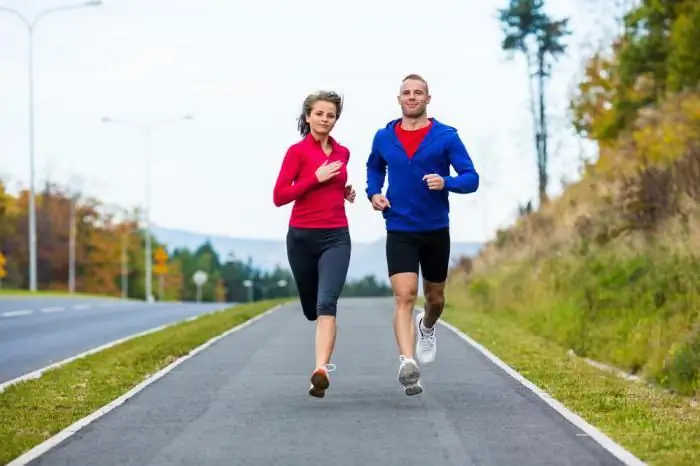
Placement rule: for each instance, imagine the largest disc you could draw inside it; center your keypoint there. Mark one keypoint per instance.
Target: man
(417, 151)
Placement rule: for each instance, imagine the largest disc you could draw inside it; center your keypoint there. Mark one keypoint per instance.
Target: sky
(242, 70)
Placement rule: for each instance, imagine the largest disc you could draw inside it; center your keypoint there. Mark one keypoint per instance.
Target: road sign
(161, 256)
(161, 266)
(199, 278)
(3, 272)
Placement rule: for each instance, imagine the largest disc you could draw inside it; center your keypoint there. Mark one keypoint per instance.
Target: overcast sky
(242, 70)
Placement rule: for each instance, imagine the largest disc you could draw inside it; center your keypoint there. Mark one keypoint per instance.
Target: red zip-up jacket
(316, 205)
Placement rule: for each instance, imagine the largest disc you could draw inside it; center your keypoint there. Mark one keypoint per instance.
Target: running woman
(313, 176)
(417, 151)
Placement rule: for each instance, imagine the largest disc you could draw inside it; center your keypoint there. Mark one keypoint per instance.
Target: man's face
(413, 98)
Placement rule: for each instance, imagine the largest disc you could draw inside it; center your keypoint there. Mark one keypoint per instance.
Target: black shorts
(406, 251)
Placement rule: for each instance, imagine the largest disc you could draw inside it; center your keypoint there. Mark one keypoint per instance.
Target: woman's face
(322, 117)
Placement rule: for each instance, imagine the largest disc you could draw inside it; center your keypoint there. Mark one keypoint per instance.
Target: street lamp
(74, 192)
(147, 130)
(30, 70)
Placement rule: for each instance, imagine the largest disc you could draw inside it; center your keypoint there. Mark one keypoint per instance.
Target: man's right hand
(379, 202)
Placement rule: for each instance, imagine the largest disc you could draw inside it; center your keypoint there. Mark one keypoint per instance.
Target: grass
(657, 427)
(35, 410)
(635, 310)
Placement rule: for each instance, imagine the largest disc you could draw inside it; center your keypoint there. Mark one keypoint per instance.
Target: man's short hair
(417, 77)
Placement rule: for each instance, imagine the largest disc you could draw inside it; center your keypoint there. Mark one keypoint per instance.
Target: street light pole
(147, 130)
(30, 71)
(71, 247)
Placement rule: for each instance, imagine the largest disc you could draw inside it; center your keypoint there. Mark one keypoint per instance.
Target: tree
(655, 54)
(530, 31)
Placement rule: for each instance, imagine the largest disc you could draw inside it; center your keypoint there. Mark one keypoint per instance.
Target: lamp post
(30, 71)
(147, 130)
(74, 192)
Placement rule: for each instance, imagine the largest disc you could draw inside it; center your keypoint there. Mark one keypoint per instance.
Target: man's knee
(434, 294)
(405, 286)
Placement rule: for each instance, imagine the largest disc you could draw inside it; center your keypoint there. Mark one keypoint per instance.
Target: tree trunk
(542, 160)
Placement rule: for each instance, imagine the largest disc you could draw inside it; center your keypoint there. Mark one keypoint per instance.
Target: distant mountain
(366, 259)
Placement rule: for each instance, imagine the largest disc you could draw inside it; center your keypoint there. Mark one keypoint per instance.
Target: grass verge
(657, 427)
(35, 410)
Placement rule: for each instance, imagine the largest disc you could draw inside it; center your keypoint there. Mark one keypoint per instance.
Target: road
(243, 401)
(37, 332)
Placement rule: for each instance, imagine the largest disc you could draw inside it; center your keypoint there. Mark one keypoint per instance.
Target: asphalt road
(244, 401)
(37, 332)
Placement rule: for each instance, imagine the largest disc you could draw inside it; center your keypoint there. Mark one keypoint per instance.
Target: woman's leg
(304, 265)
(332, 271)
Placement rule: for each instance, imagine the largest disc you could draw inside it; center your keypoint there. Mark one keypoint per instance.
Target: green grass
(657, 427)
(636, 311)
(32, 411)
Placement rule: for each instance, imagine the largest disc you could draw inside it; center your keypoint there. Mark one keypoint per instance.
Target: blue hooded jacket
(414, 207)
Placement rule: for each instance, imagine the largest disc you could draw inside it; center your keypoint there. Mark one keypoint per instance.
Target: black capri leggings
(319, 259)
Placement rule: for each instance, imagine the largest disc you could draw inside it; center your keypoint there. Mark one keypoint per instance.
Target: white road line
(23, 312)
(52, 309)
(39, 372)
(606, 442)
(82, 306)
(75, 427)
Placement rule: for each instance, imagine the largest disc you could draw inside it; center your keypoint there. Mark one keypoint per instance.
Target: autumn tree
(539, 38)
(110, 253)
(655, 55)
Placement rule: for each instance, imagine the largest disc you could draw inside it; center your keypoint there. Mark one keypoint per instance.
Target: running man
(313, 176)
(417, 151)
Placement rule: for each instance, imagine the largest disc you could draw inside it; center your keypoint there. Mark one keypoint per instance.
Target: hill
(610, 268)
(367, 258)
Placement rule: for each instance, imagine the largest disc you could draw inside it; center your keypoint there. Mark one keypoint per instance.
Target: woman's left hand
(349, 193)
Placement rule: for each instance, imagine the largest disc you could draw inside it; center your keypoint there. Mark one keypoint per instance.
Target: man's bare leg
(434, 293)
(434, 302)
(405, 286)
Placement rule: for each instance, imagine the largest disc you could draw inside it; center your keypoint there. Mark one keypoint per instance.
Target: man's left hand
(435, 182)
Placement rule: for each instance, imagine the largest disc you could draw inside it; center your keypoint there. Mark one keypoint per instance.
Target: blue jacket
(414, 207)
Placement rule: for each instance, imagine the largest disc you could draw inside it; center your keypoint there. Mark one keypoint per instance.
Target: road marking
(39, 372)
(23, 312)
(606, 442)
(52, 309)
(75, 427)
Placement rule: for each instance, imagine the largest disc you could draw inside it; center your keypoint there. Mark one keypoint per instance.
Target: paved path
(243, 401)
(36, 332)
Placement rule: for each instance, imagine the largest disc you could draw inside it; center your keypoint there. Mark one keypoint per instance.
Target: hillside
(366, 259)
(610, 268)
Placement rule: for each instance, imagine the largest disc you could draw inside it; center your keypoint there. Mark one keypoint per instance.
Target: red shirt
(316, 205)
(411, 139)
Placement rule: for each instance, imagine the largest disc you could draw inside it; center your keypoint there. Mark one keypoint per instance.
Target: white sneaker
(426, 346)
(409, 376)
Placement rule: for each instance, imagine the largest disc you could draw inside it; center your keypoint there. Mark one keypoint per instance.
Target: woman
(313, 176)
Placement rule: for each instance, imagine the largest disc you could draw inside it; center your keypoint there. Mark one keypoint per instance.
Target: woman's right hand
(328, 170)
